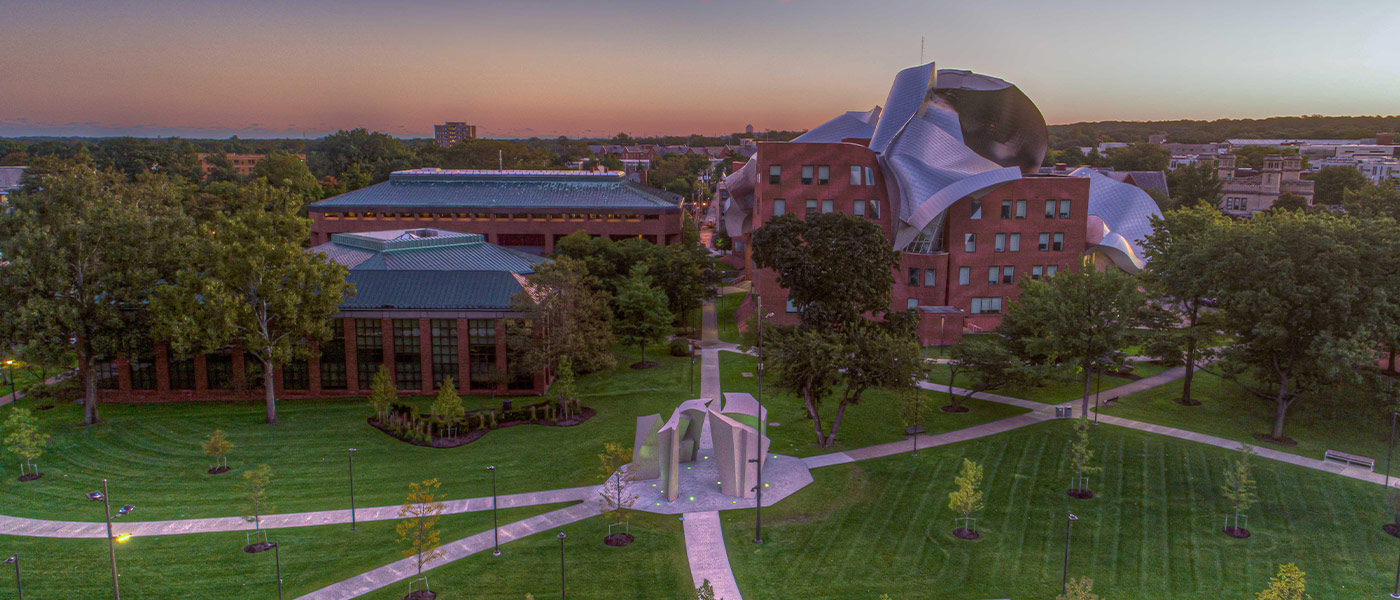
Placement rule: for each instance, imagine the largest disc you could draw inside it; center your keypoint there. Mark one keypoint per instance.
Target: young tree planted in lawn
(255, 492)
(1180, 267)
(1289, 584)
(912, 412)
(418, 530)
(447, 406)
(642, 315)
(1081, 457)
(1079, 588)
(382, 393)
(24, 440)
(217, 447)
(617, 498)
(86, 251)
(564, 391)
(1239, 488)
(248, 279)
(1392, 504)
(564, 316)
(967, 499)
(1079, 318)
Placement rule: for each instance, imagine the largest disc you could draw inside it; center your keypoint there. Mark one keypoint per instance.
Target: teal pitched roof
(437, 189)
(428, 269)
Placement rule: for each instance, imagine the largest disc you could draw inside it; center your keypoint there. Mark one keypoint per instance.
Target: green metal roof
(434, 189)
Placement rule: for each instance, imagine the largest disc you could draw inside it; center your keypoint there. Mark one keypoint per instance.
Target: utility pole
(111, 544)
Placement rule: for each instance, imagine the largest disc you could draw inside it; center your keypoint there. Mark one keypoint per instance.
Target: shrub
(679, 347)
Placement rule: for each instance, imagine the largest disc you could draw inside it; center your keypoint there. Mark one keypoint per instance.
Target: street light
(1098, 387)
(495, 525)
(1064, 579)
(19, 587)
(563, 594)
(111, 541)
(11, 364)
(277, 556)
(1391, 449)
(758, 440)
(351, 454)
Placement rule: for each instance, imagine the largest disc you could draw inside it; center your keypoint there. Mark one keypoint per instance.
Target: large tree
(288, 171)
(1196, 185)
(642, 316)
(1179, 276)
(1139, 157)
(248, 281)
(1305, 296)
(1331, 184)
(86, 251)
(835, 266)
(563, 317)
(1078, 318)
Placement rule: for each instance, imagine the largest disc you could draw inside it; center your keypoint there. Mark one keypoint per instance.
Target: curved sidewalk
(76, 529)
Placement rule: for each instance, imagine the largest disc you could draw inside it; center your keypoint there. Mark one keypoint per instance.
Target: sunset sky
(525, 67)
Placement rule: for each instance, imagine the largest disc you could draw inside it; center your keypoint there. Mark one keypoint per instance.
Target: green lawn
(724, 311)
(653, 567)
(1152, 531)
(151, 452)
(213, 565)
(1346, 423)
(876, 420)
(1056, 390)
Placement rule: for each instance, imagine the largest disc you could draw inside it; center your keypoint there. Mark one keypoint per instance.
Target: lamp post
(1390, 451)
(563, 593)
(495, 525)
(758, 440)
(1098, 387)
(277, 557)
(10, 372)
(692, 372)
(111, 541)
(1064, 578)
(19, 586)
(351, 454)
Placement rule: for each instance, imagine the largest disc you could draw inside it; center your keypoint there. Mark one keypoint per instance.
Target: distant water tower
(748, 129)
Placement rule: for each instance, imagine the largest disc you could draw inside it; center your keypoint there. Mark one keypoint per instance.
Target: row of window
(929, 277)
(859, 208)
(1236, 203)
(1011, 242)
(1017, 209)
(821, 175)
(481, 216)
(1002, 274)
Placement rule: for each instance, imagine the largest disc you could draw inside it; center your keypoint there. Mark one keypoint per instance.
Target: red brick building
(242, 163)
(429, 304)
(524, 210)
(950, 174)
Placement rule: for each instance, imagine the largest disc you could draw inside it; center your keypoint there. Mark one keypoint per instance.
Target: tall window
(964, 275)
(481, 334)
(1037, 271)
(790, 306)
(969, 242)
(1050, 270)
(107, 378)
(914, 277)
(1064, 209)
(930, 277)
(875, 209)
(444, 341)
(1049, 209)
(333, 358)
(858, 208)
(1014, 242)
(823, 175)
(1006, 209)
(855, 175)
(828, 206)
(775, 174)
(408, 354)
(182, 374)
(869, 176)
(369, 349)
(1000, 244)
(1059, 242)
(218, 368)
(810, 209)
(143, 369)
(1008, 274)
(976, 209)
(295, 375)
(779, 207)
(806, 174)
(1044, 242)
(993, 275)
(1020, 209)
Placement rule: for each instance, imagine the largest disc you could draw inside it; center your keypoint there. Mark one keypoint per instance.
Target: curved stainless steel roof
(1126, 212)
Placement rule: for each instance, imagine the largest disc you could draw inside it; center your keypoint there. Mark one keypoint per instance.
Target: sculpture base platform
(699, 485)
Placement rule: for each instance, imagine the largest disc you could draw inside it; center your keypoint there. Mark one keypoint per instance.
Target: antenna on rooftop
(501, 160)
(921, 49)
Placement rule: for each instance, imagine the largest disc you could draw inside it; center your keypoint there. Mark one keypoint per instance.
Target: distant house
(10, 178)
(1245, 192)
(243, 164)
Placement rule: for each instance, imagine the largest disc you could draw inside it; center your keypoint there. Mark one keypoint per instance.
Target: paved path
(408, 568)
(704, 548)
(19, 394)
(75, 529)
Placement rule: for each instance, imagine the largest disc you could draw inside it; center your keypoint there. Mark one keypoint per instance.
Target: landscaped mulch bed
(421, 595)
(954, 409)
(30, 476)
(1236, 532)
(258, 547)
(966, 534)
(1081, 494)
(217, 470)
(1268, 439)
(581, 415)
(618, 540)
(1392, 529)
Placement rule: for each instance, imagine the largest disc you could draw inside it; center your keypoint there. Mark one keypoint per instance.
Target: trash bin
(1069, 411)
(1059, 411)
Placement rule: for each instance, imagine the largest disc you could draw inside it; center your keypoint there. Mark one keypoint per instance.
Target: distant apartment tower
(452, 132)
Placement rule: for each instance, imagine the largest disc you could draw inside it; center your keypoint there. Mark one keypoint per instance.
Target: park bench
(1352, 459)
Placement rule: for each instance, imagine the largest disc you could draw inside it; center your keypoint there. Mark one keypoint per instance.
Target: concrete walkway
(704, 548)
(408, 568)
(19, 394)
(75, 529)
